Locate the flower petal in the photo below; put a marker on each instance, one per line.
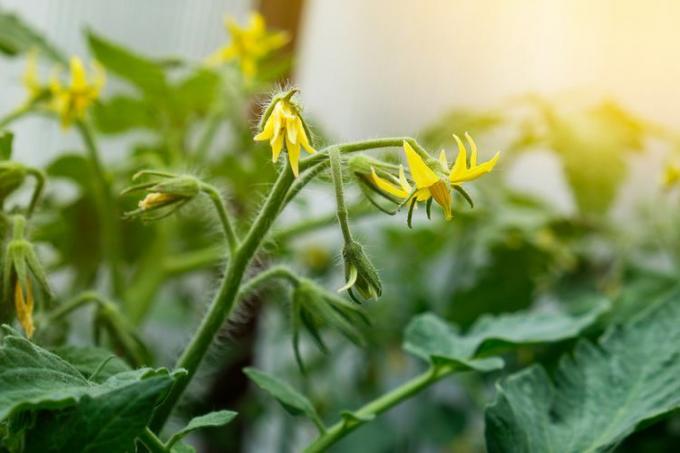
(422, 175)
(387, 187)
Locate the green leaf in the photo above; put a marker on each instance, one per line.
(89, 360)
(108, 422)
(32, 378)
(6, 139)
(140, 71)
(213, 419)
(196, 93)
(432, 339)
(291, 400)
(17, 38)
(599, 394)
(74, 167)
(122, 114)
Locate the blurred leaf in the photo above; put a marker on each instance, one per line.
(16, 38)
(122, 114)
(6, 139)
(213, 419)
(107, 422)
(600, 393)
(432, 339)
(140, 71)
(74, 167)
(89, 359)
(196, 93)
(291, 400)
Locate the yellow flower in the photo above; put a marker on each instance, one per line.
(428, 184)
(23, 302)
(671, 175)
(71, 102)
(284, 126)
(248, 44)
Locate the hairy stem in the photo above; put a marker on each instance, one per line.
(216, 198)
(377, 406)
(341, 208)
(74, 304)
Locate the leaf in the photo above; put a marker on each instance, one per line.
(599, 394)
(291, 400)
(32, 378)
(432, 339)
(196, 93)
(140, 71)
(108, 422)
(122, 114)
(87, 360)
(16, 38)
(6, 139)
(213, 419)
(74, 167)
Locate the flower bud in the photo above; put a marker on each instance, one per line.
(163, 196)
(360, 274)
(22, 274)
(12, 176)
(313, 307)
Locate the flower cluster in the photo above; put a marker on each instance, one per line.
(249, 45)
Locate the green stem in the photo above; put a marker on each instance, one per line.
(366, 145)
(72, 305)
(274, 272)
(211, 128)
(105, 205)
(14, 115)
(341, 210)
(37, 191)
(378, 406)
(224, 300)
(216, 198)
(302, 181)
(152, 442)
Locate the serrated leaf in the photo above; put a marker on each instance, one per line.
(599, 394)
(432, 339)
(108, 422)
(6, 139)
(16, 38)
(32, 378)
(140, 71)
(291, 400)
(211, 420)
(87, 360)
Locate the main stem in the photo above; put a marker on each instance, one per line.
(223, 302)
(106, 208)
(377, 406)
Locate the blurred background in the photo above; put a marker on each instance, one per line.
(578, 96)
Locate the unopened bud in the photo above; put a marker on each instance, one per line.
(360, 274)
(164, 195)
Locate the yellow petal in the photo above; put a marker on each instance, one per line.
(24, 307)
(388, 187)
(292, 130)
(267, 131)
(78, 76)
(473, 150)
(441, 194)
(460, 165)
(479, 170)
(422, 175)
(276, 144)
(443, 160)
(403, 182)
(257, 23)
(293, 156)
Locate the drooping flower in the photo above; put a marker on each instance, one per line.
(429, 184)
(165, 194)
(284, 127)
(248, 45)
(72, 101)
